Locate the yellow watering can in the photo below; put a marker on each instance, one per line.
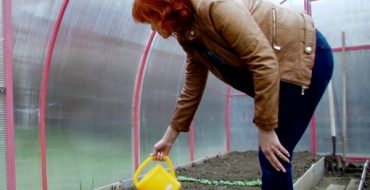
(156, 178)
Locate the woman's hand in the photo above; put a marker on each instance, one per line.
(164, 145)
(272, 149)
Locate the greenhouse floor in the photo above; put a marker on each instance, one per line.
(240, 171)
(349, 180)
(232, 167)
(243, 166)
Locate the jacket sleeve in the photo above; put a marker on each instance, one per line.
(191, 94)
(235, 24)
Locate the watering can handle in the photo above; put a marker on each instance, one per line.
(146, 162)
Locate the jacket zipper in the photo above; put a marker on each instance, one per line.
(303, 87)
(274, 31)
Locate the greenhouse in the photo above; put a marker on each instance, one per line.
(86, 92)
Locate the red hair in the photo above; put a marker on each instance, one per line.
(166, 16)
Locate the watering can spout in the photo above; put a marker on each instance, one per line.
(156, 178)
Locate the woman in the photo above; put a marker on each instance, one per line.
(271, 53)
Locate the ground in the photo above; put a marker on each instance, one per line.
(352, 171)
(237, 166)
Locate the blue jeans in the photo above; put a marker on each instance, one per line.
(295, 112)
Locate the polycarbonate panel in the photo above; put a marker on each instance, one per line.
(90, 95)
(351, 18)
(32, 24)
(3, 153)
(163, 80)
(358, 91)
(356, 69)
(333, 17)
(244, 134)
(209, 121)
(323, 123)
(90, 89)
(3, 148)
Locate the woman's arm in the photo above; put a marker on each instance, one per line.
(196, 75)
(164, 145)
(195, 81)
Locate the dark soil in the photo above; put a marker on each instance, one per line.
(238, 166)
(235, 166)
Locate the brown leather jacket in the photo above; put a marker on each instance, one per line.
(270, 42)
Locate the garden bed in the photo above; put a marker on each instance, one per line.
(235, 166)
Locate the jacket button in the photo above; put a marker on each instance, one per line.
(308, 50)
(276, 47)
